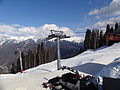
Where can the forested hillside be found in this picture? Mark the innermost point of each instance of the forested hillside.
(97, 38)
(44, 53)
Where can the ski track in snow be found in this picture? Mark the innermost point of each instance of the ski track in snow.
(89, 62)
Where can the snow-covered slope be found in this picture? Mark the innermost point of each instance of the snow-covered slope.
(89, 62)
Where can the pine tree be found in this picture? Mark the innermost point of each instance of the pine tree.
(35, 52)
(101, 39)
(48, 55)
(111, 30)
(93, 40)
(107, 29)
(31, 59)
(27, 61)
(116, 26)
(97, 39)
(42, 53)
(38, 56)
(18, 65)
(13, 68)
(87, 39)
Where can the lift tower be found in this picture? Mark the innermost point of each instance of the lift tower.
(58, 35)
(20, 56)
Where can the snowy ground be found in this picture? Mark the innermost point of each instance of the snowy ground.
(89, 62)
(28, 81)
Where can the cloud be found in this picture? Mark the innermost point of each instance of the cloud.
(98, 17)
(21, 32)
(82, 29)
(101, 25)
(111, 10)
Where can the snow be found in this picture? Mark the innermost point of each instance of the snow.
(112, 70)
(18, 33)
(27, 81)
(98, 58)
(75, 39)
(16, 39)
(93, 62)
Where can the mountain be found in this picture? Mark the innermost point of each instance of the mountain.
(20, 33)
(13, 37)
(15, 40)
(9, 49)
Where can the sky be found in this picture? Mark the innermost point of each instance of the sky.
(76, 15)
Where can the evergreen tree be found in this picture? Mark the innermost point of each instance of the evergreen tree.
(35, 58)
(18, 65)
(87, 39)
(97, 39)
(116, 26)
(38, 55)
(93, 40)
(111, 30)
(13, 68)
(107, 29)
(42, 53)
(101, 39)
(48, 55)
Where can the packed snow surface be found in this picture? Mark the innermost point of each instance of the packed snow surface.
(111, 70)
(89, 62)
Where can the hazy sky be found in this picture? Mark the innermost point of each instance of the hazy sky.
(75, 14)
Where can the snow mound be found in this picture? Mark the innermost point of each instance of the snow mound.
(111, 70)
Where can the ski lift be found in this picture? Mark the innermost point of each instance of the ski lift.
(58, 35)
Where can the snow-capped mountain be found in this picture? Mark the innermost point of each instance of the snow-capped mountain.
(14, 40)
(9, 47)
(17, 33)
